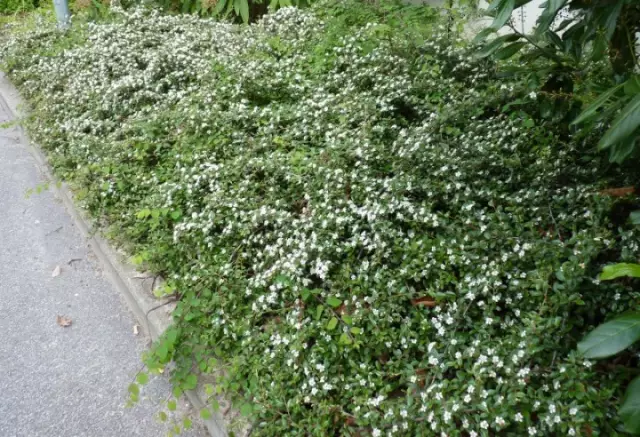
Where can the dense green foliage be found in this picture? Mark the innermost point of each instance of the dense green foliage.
(16, 6)
(615, 336)
(369, 230)
(577, 49)
(580, 48)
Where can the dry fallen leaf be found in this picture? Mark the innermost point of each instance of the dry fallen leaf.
(64, 321)
(56, 271)
(135, 329)
(618, 192)
(426, 301)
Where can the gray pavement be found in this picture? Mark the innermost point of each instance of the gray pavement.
(57, 381)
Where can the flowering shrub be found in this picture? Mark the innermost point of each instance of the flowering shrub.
(364, 239)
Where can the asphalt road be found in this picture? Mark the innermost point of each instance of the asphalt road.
(54, 380)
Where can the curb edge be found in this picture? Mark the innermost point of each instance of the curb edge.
(121, 274)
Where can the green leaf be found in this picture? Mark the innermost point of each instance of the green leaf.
(190, 382)
(635, 217)
(495, 44)
(624, 125)
(503, 13)
(142, 378)
(319, 312)
(619, 152)
(171, 405)
(205, 413)
(630, 409)
(555, 39)
(162, 416)
(220, 4)
(246, 409)
(483, 34)
(215, 404)
(345, 339)
(509, 51)
(332, 324)
(334, 302)
(600, 44)
(162, 351)
(186, 423)
(610, 18)
(591, 110)
(356, 330)
(305, 293)
(632, 86)
(548, 15)
(614, 271)
(244, 10)
(611, 337)
(347, 319)
(177, 391)
(134, 389)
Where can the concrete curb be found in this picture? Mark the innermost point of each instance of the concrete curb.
(134, 286)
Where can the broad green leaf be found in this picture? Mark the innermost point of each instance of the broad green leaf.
(332, 324)
(609, 19)
(347, 319)
(630, 409)
(548, 15)
(509, 51)
(334, 302)
(564, 24)
(246, 410)
(632, 86)
(611, 337)
(205, 413)
(162, 416)
(345, 339)
(355, 330)
(599, 47)
(624, 125)
(171, 405)
(555, 39)
(503, 13)
(219, 7)
(244, 10)
(614, 271)
(190, 382)
(591, 110)
(177, 391)
(306, 293)
(495, 44)
(483, 34)
(619, 152)
(635, 217)
(319, 310)
(134, 389)
(186, 423)
(142, 378)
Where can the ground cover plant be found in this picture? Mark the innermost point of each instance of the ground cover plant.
(365, 235)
